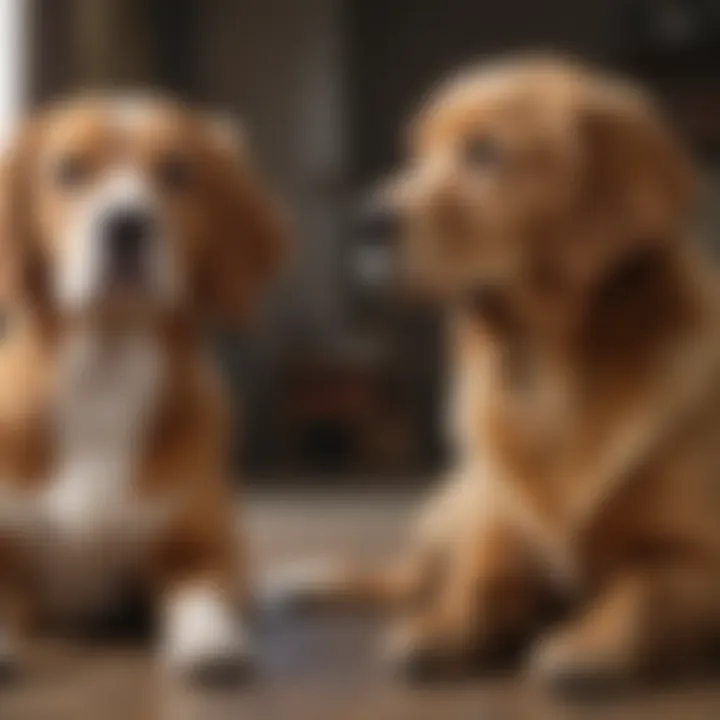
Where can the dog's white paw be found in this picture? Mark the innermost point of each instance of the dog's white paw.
(204, 639)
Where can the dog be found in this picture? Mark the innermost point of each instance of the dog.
(545, 206)
(130, 225)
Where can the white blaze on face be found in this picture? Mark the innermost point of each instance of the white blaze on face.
(80, 276)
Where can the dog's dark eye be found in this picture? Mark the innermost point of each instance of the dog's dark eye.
(72, 171)
(482, 152)
(174, 173)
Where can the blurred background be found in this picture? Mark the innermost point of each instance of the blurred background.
(337, 382)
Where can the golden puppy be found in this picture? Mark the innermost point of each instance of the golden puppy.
(545, 206)
(128, 224)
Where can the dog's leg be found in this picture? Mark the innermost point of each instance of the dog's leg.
(489, 595)
(644, 620)
(202, 598)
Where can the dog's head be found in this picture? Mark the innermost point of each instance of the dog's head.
(133, 205)
(530, 174)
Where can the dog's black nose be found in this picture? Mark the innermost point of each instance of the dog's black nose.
(377, 221)
(126, 232)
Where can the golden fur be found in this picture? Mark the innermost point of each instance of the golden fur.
(546, 207)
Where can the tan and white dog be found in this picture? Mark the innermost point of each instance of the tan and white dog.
(128, 224)
(545, 206)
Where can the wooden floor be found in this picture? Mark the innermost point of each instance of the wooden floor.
(310, 668)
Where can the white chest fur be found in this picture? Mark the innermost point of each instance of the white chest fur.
(94, 526)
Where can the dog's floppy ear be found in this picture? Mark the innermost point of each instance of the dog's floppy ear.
(249, 233)
(18, 261)
(9, 247)
(636, 184)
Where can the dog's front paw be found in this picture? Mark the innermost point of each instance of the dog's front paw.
(567, 663)
(204, 640)
(421, 655)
